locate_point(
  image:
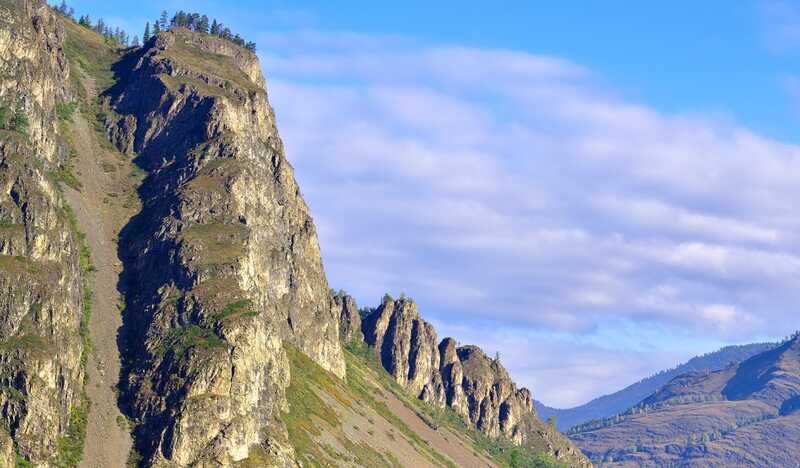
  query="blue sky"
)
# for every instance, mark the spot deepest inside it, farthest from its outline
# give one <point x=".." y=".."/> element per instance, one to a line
<point x="595" y="191"/>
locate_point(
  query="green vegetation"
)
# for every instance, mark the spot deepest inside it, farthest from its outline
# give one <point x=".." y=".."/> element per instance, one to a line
<point x="70" y="447"/>
<point x="200" y="23"/>
<point x="308" y="410"/>
<point x="116" y="36"/>
<point x="16" y="121"/>
<point x="241" y="308"/>
<point x="181" y="339"/>
<point x="219" y="65"/>
<point x="29" y="342"/>
<point x="360" y="361"/>
<point x="19" y="122"/>
<point x="18" y="264"/>
<point x="91" y="52"/>
<point x="219" y="242"/>
<point x="360" y="356"/>
<point x="63" y="174"/>
<point x="22" y="462"/>
<point x="65" y="110"/>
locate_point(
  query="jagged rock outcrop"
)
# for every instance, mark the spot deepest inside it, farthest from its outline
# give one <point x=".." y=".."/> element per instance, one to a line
<point x="41" y="304"/>
<point x="475" y="386"/>
<point x="407" y="347"/>
<point x="349" y="318"/>
<point x="223" y="262"/>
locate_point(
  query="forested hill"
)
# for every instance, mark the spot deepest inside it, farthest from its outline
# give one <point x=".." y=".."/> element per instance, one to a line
<point x="609" y="405"/>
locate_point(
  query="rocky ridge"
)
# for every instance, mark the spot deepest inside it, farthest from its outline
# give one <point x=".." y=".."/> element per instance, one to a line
<point x="729" y="417"/>
<point x="462" y="378"/>
<point x="620" y="401"/>
<point x="41" y="281"/>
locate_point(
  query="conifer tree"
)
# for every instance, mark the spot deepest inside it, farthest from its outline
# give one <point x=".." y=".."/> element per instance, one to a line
<point x="135" y="42"/>
<point x="202" y="24"/>
<point x="146" y="35"/>
<point x="214" y="28"/>
<point x="162" y="22"/>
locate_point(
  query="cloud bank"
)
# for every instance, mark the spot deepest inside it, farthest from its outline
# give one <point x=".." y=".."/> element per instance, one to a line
<point x="521" y="196"/>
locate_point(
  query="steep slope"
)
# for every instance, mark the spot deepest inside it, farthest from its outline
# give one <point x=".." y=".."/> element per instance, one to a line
<point x="222" y="265"/>
<point x="103" y="197"/>
<point x="42" y="348"/>
<point x="462" y="379"/>
<point x="729" y="417"/>
<point x="618" y="402"/>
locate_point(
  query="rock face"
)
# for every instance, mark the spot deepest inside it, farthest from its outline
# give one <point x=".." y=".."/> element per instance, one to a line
<point x="222" y="264"/>
<point x="463" y="378"/>
<point x="41" y="303"/>
<point x="349" y="318"/>
<point x="743" y="415"/>
<point x="407" y="346"/>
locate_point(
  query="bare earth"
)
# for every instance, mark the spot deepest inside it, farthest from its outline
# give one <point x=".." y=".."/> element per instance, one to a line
<point x="443" y="440"/>
<point x="102" y="207"/>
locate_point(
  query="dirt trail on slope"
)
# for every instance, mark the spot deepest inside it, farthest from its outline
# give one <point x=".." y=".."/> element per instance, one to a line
<point x="105" y="202"/>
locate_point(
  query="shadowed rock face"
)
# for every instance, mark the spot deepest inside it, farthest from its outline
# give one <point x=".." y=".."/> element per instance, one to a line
<point x="744" y="415"/>
<point x="463" y="378"/>
<point x="222" y="264"/>
<point x="41" y="376"/>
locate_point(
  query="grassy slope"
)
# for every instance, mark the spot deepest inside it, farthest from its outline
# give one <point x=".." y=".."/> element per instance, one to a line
<point x="332" y="422"/>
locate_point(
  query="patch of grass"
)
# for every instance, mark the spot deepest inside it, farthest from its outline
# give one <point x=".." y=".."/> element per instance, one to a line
<point x="65" y="110"/>
<point x="241" y="308"/>
<point x="257" y="458"/>
<point x="64" y="175"/>
<point x="89" y="50"/>
<point x="181" y="339"/>
<point x="70" y="446"/>
<point x="16" y="265"/>
<point x="219" y="243"/>
<point x="21" y="462"/>
<point x="307" y="410"/>
<point x="26" y="342"/>
<point x="361" y="364"/>
<point x="220" y="66"/>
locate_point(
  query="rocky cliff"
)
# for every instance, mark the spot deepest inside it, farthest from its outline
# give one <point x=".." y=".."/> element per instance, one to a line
<point x="476" y="387"/>
<point x="231" y="342"/>
<point x="222" y="265"/>
<point x="41" y="297"/>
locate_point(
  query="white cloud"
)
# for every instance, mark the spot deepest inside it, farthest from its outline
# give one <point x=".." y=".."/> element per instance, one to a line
<point x="512" y="189"/>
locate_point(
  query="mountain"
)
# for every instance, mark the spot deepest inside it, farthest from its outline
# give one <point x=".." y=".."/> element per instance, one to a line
<point x="743" y="415"/>
<point x="163" y="297"/>
<point x="618" y="402"/>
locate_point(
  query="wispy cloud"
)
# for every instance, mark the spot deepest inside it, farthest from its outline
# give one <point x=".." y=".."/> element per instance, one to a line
<point x="512" y="189"/>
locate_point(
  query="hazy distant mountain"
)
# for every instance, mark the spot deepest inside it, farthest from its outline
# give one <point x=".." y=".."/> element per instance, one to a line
<point x="618" y="402"/>
<point x="743" y="415"/>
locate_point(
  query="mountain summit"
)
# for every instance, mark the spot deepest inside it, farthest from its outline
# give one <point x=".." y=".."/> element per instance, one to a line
<point x="743" y="415"/>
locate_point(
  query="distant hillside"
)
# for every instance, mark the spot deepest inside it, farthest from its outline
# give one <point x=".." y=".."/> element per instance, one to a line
<point x="743" y="415"/>
<point x="609" y="405"/>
